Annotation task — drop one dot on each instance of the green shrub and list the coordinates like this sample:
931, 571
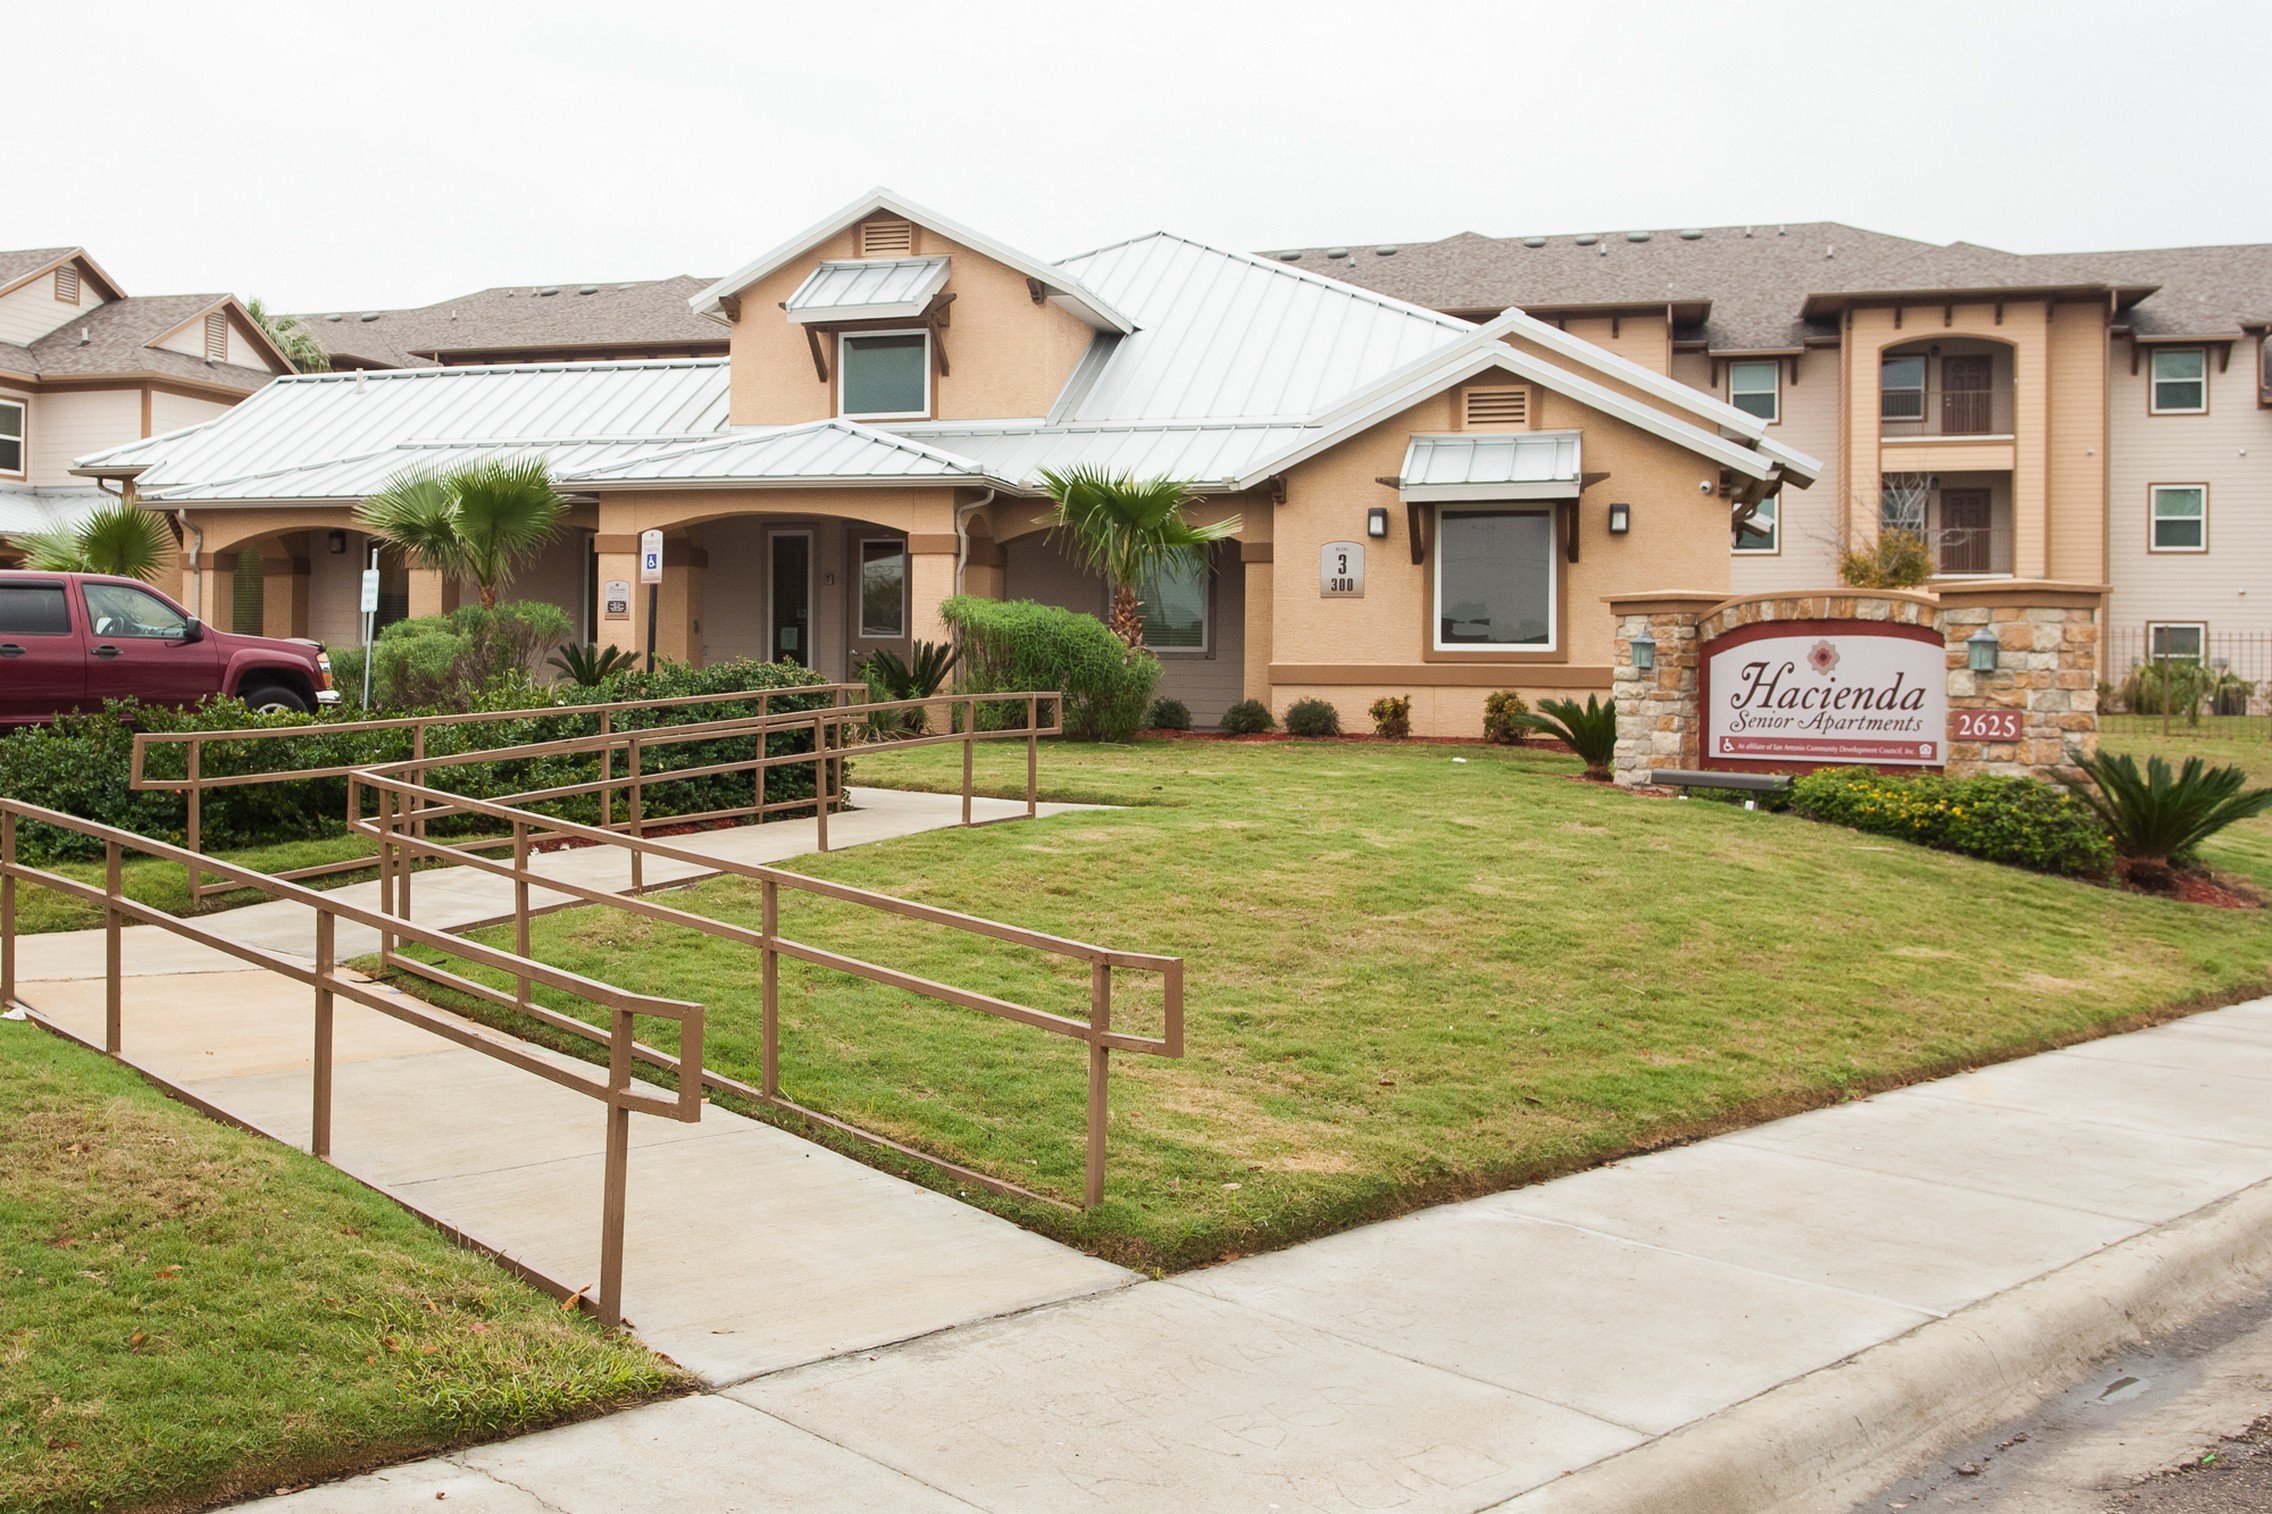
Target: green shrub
1392, 716
1170, 715
1017, 645
1503, 713
591, 664
2017, 821
1249, 717
2159, 817
892, 679
1895, 560
1590, 730
2180, 683
1312, 717
439, 661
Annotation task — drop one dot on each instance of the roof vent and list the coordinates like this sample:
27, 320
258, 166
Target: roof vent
1691, 234
1337, 252
1587, 240
1384, 252
335, 318
1534, 241
1636, 236
589, 289
1290, 257
555, 289
371, 317
887, 239
1747, 231
85, 336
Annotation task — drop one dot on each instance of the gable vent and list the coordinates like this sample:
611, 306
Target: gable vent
1488, 408
216, 337
67, 283
887, 239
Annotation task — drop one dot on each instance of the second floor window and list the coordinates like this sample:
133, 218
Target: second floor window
2180, 518
1761, 530
11, 437
885, 375
1901, 389
2180, 381
1756, 389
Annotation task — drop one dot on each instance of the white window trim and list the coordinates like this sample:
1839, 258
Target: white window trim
2154, 405
1924, 387
1553, 642
1770, 551
2154, 493
1774, 389
2199, 627
1206, 647
23, 438
860, 586
885, 415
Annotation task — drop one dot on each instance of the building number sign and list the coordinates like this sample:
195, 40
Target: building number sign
1341, 570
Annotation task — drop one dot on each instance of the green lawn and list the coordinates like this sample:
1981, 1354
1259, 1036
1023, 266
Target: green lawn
1415, 973
189, 1313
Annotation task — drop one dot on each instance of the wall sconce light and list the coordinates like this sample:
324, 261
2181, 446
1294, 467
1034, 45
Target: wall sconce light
338, 542
1376, 522
1980, 649
1644, 652
1620, 518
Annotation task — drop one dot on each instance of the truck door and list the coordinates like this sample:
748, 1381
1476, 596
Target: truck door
43, 659
140, 646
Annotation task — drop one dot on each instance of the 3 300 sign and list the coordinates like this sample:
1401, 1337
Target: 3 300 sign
1984, 725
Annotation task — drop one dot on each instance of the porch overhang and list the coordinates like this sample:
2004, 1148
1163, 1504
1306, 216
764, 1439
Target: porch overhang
893, 289
1481, 467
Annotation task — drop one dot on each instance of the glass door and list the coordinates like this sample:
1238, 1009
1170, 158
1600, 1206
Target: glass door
790, 604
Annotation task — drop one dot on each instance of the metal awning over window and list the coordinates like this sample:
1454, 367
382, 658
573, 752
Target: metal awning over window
886, 289
1484, 466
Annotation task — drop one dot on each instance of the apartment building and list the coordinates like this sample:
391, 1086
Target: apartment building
2099, 417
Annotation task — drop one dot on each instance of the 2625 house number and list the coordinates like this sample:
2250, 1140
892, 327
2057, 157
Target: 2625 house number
1341, 570
1984, 725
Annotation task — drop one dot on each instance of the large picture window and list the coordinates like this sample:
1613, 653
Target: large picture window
2180, 514
1761, 530
11, 436
1175, 605
1755, 388
884, 375
2181, 381
1901, 389
883, 588
1494, 580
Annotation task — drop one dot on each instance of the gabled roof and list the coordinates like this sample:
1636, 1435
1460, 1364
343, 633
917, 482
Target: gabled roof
122, 336
526, 320
21, 267
868, 290
1066, 292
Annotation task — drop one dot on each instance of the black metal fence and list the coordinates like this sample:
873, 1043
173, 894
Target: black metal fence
2181, 681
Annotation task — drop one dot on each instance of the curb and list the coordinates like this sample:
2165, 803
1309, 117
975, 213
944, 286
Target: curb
1820, 1441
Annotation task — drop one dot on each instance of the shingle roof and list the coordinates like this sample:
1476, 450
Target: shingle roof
530, 318
1757, 279
115, 337
15, 264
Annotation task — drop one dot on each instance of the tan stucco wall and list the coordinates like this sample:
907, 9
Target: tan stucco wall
1006, 355
1644, 339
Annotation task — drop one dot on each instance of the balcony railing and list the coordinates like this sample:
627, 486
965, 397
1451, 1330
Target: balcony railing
1946, 413
1973, 550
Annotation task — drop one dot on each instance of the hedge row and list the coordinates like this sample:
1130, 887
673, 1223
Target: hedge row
1014, 645
2017, 821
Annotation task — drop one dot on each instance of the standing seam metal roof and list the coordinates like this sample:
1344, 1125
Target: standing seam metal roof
844, 291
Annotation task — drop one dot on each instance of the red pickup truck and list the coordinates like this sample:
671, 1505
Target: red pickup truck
69, 641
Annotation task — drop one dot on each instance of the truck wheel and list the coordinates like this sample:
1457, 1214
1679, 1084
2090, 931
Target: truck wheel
276, 699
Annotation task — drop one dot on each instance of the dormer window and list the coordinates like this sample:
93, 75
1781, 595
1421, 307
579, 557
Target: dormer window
883, 375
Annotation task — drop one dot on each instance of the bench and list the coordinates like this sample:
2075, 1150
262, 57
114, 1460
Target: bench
1685, 779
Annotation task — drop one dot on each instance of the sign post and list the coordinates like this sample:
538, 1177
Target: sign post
370, 618
651, 574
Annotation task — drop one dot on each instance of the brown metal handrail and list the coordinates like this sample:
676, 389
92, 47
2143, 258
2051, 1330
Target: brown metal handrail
616, 1089
400, 800
194, 782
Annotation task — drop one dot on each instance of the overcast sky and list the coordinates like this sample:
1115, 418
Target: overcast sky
349, 154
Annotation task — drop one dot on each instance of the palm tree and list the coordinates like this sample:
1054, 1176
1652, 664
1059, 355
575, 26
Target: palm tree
297, 341
479, 521
1125, 529
119, 538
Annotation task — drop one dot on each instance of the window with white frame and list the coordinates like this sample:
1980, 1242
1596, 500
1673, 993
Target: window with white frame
1756, 388
2180, 518
1761, 531
1174, 601
883, 587
1901, 389
2177, 641
883, 375
1494, 580
2180, 381
11, 436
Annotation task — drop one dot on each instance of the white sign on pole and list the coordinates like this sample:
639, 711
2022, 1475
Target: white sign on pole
650, 557
1864, 692
1341, 570
370, 591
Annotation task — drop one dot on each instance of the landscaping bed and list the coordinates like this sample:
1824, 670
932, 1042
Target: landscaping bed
189, 1313
1411, 978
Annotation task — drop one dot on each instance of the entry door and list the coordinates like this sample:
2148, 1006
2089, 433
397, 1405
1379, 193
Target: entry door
1965, 401
1965, 522
791, 600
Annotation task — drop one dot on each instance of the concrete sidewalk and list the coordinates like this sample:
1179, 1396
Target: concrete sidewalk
1538, 1349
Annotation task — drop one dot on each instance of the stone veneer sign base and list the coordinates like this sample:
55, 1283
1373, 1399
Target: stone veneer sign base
2031, 717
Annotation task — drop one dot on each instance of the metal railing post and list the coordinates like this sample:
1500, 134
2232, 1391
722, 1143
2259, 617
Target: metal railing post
385, 822
196, 832
969, 750
319, 1138
7, 910
1100, 1072
607, 770
635, 767
769, 975
820, 781
1033, 757
521, 905
618, 1170
114, 964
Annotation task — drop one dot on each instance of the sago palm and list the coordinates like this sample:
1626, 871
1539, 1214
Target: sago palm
1589, 729
1125, 529
481, 521
2161, 816
124, 540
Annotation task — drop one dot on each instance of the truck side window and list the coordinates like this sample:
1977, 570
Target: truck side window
117, 611
33, 610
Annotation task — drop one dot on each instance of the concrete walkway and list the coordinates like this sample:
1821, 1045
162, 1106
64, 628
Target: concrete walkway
1519, 1351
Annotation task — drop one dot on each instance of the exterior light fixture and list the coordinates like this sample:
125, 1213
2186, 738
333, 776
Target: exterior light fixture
1620, 518
1644, 652
1980, 649
338, 541
1376, 522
